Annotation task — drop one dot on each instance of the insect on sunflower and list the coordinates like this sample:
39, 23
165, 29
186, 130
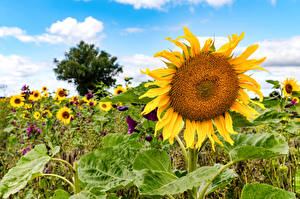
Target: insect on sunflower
290, 85
199, 87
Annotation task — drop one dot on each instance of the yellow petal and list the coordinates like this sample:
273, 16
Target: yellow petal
195, 45
243, 109
159, 101
258, 104
207, 45
168, 128
249, 51
249, 65
243, 96
160, 74
189, 134
155, 92
250, 87
246, 78
161, 123
169, 56
161, 108
220, 124
177, 128
182, 46
201, 134
157, 83
228, 123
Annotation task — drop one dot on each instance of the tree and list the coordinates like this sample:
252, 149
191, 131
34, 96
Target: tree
86, 67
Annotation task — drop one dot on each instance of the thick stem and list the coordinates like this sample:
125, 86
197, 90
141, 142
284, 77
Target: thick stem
192, 166
76, 178
65, 162
170, 196
202, 194
63, 178
182, 149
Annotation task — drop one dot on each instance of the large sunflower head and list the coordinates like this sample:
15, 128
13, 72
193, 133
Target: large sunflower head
16, 101
290, 85
35, 96
64, 115
61, 94
119, 90
199, 87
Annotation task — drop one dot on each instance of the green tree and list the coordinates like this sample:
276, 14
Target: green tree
86, 66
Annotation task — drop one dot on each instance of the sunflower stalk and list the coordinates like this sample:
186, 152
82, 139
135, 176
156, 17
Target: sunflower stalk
192, 166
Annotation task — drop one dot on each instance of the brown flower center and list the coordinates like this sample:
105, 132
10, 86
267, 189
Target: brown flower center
104, 106
289, 88
119, 92
204, 87
36, 94
61, 93
66, 115
17, 101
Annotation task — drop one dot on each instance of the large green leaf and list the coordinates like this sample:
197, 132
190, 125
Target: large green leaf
265, 191
239, 120
222, 179
269, 115
256, 146
151, 182
87, 195
29, 167
131, 96
154, 160
110, 168
275, 83
61, 194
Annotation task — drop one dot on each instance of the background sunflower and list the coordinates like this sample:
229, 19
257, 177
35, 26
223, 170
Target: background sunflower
16, 101
290, 85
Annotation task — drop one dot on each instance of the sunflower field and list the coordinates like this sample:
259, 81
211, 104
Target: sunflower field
193, 132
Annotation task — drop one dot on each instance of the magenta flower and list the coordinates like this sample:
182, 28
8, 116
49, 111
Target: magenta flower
122, 108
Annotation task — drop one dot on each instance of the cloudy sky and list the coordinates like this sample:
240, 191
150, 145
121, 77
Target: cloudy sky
32, 34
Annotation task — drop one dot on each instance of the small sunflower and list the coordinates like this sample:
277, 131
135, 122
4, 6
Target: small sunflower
45, 95
119, 90
26, 115
106, 106
75, 98
47, 113
64, 115
16, 101
36, 115
127, 88
35, 96
295, 100
23, 93
44, 89
199, 87
28, 106
61, 94
290, 85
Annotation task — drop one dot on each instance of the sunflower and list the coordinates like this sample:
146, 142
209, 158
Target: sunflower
295, 100
44, 89
290, 85
16, 101
199, 87
28, 106
61, 94
75, 98
64, 115
45, 95
119, 90
106, 106
36, 115
127, 88
35, 96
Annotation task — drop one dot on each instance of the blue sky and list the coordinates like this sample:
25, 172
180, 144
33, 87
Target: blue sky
35, 32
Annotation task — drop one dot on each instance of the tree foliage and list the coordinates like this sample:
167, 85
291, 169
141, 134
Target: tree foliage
86, 66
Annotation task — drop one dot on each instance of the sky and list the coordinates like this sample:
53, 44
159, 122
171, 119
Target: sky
34, 32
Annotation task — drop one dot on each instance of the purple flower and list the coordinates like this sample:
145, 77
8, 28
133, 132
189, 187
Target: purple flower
152, 115
13, 110
89, 96
91, 103
76, 102
294, 102
24, 88
131, 124
71, 102
160, 136
29, 129
26, 150
288, 106
149, 138
38, 130
122, 108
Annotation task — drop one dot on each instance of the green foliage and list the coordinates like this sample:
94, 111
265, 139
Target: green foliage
131, 96
110, 168
297, 182
264, 191
255, 146
276, 83
29, 167
85, 66
61, 194
88, 195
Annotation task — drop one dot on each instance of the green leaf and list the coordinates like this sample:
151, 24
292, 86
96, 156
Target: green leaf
221, 180
131, 96
154, 160
61, 194
256, 146
151, 182
87, 195
54, 151
269, 115
239, 120
297, 182
29, 167
276, 83
265, 191
9, 129
110, 168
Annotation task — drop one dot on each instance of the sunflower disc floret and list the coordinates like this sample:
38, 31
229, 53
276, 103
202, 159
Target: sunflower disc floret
199, 87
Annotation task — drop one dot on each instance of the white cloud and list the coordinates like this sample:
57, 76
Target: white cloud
134, 30
273, 2
158, 4
68, 31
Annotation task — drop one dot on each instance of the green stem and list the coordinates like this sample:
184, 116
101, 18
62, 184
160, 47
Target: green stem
202, 194
170, 196
183, 149
65, 162
63, 178
76, 178
192, 166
